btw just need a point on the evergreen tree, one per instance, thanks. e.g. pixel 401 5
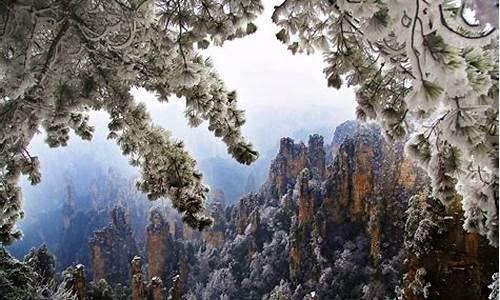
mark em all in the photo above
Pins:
pixel 424 69
pixel 61 59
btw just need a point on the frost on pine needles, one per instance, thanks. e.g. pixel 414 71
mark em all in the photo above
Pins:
pixel 424 69
pixel 61 59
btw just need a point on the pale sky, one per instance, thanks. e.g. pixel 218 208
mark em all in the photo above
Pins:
pixel 277 89
pixel 281 93
pixel 265 72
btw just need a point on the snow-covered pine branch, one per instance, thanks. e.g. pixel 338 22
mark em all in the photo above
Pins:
pixel 61 59
pixel 427 69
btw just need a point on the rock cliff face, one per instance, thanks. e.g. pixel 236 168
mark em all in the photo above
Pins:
pixel 450 262
pixel 158 242
pixel 291 159
pixel 112 249
pixel 367 189
pixel 138 282
pixel 360 196
pixel 215 235
pixel 342 131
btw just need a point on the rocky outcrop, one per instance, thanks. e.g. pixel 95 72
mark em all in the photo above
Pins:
pixel 291 159
pixel 215 235
pixel 301 256
pixel 138 282
pixel 156 290
pixel 316 155
pixel 86 208
pixel 114 244
pixel 305 198
pixel 158 245
pixel 367 189
pixel 240 214
pixel 350 179
pixel 68 208
pixel 112 248
pixel 43 263
pixel 344 130
pixel 444 261
pixel 74 279
pixel 179 281
pixel 360 195
pixel 352 210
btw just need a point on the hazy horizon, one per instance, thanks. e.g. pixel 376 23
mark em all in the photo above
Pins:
pixel 282 94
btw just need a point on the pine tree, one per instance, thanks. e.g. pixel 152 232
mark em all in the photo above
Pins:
pixel 428 72
pixel 423 69
pixel 61 59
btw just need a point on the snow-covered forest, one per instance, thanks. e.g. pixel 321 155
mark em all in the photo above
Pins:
pixel 204 149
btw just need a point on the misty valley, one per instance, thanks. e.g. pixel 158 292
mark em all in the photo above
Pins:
pixel 349 218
